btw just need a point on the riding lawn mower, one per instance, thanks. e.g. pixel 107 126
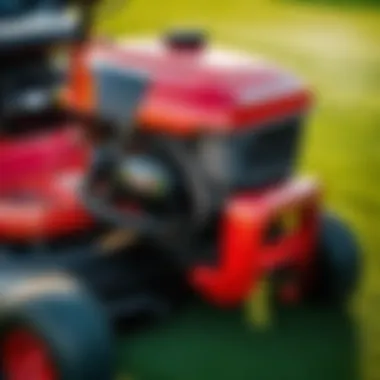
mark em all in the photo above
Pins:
pixel 184 185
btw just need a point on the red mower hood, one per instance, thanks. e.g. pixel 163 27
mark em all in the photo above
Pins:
pixel 36 157
pixel 39 179
pixel 204 88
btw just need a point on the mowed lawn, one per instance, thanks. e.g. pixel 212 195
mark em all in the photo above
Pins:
pixel 338 52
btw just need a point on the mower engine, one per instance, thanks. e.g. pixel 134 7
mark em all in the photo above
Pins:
pixel 207 158
pixel 240 118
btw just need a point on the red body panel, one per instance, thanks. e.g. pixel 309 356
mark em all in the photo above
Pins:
pixel 38 184
pixel 244 256
pixel 201 91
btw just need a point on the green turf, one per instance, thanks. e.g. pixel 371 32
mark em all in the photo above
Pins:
pixel 338 52
pixel 203 343
pixel 344 3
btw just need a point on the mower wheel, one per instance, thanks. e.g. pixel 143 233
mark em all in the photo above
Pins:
pixel 337 262
pixel 53 335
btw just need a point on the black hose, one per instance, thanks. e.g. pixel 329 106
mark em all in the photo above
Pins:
pixel 195 182
pixel 173 236
pixel 102 164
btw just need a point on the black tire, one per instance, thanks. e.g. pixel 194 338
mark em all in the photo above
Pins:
pixel 337 265
pixel 71 326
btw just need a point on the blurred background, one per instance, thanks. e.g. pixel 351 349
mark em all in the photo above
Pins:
pixel 335 45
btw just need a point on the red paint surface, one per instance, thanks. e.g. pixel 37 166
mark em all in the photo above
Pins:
pixel 25 356
pixel 39 179
pixel 196 92
pixel 244 255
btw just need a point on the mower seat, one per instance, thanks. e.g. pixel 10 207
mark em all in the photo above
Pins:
pixel 28 80
pixel 28 88
pixel 37 29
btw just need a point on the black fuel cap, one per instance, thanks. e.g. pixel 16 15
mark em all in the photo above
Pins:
pixel 193 39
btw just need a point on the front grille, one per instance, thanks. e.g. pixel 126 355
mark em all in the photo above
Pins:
pixel 264 155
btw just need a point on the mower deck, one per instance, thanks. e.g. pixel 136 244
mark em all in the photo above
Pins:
pixel 130 283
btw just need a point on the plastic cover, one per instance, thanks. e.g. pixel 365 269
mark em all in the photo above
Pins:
pixel 119 93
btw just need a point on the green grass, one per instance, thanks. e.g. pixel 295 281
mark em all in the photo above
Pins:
pixel 338 52
pixel 344 3
pixel 203 343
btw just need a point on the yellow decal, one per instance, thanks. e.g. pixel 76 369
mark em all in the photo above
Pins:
pixel 258 306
